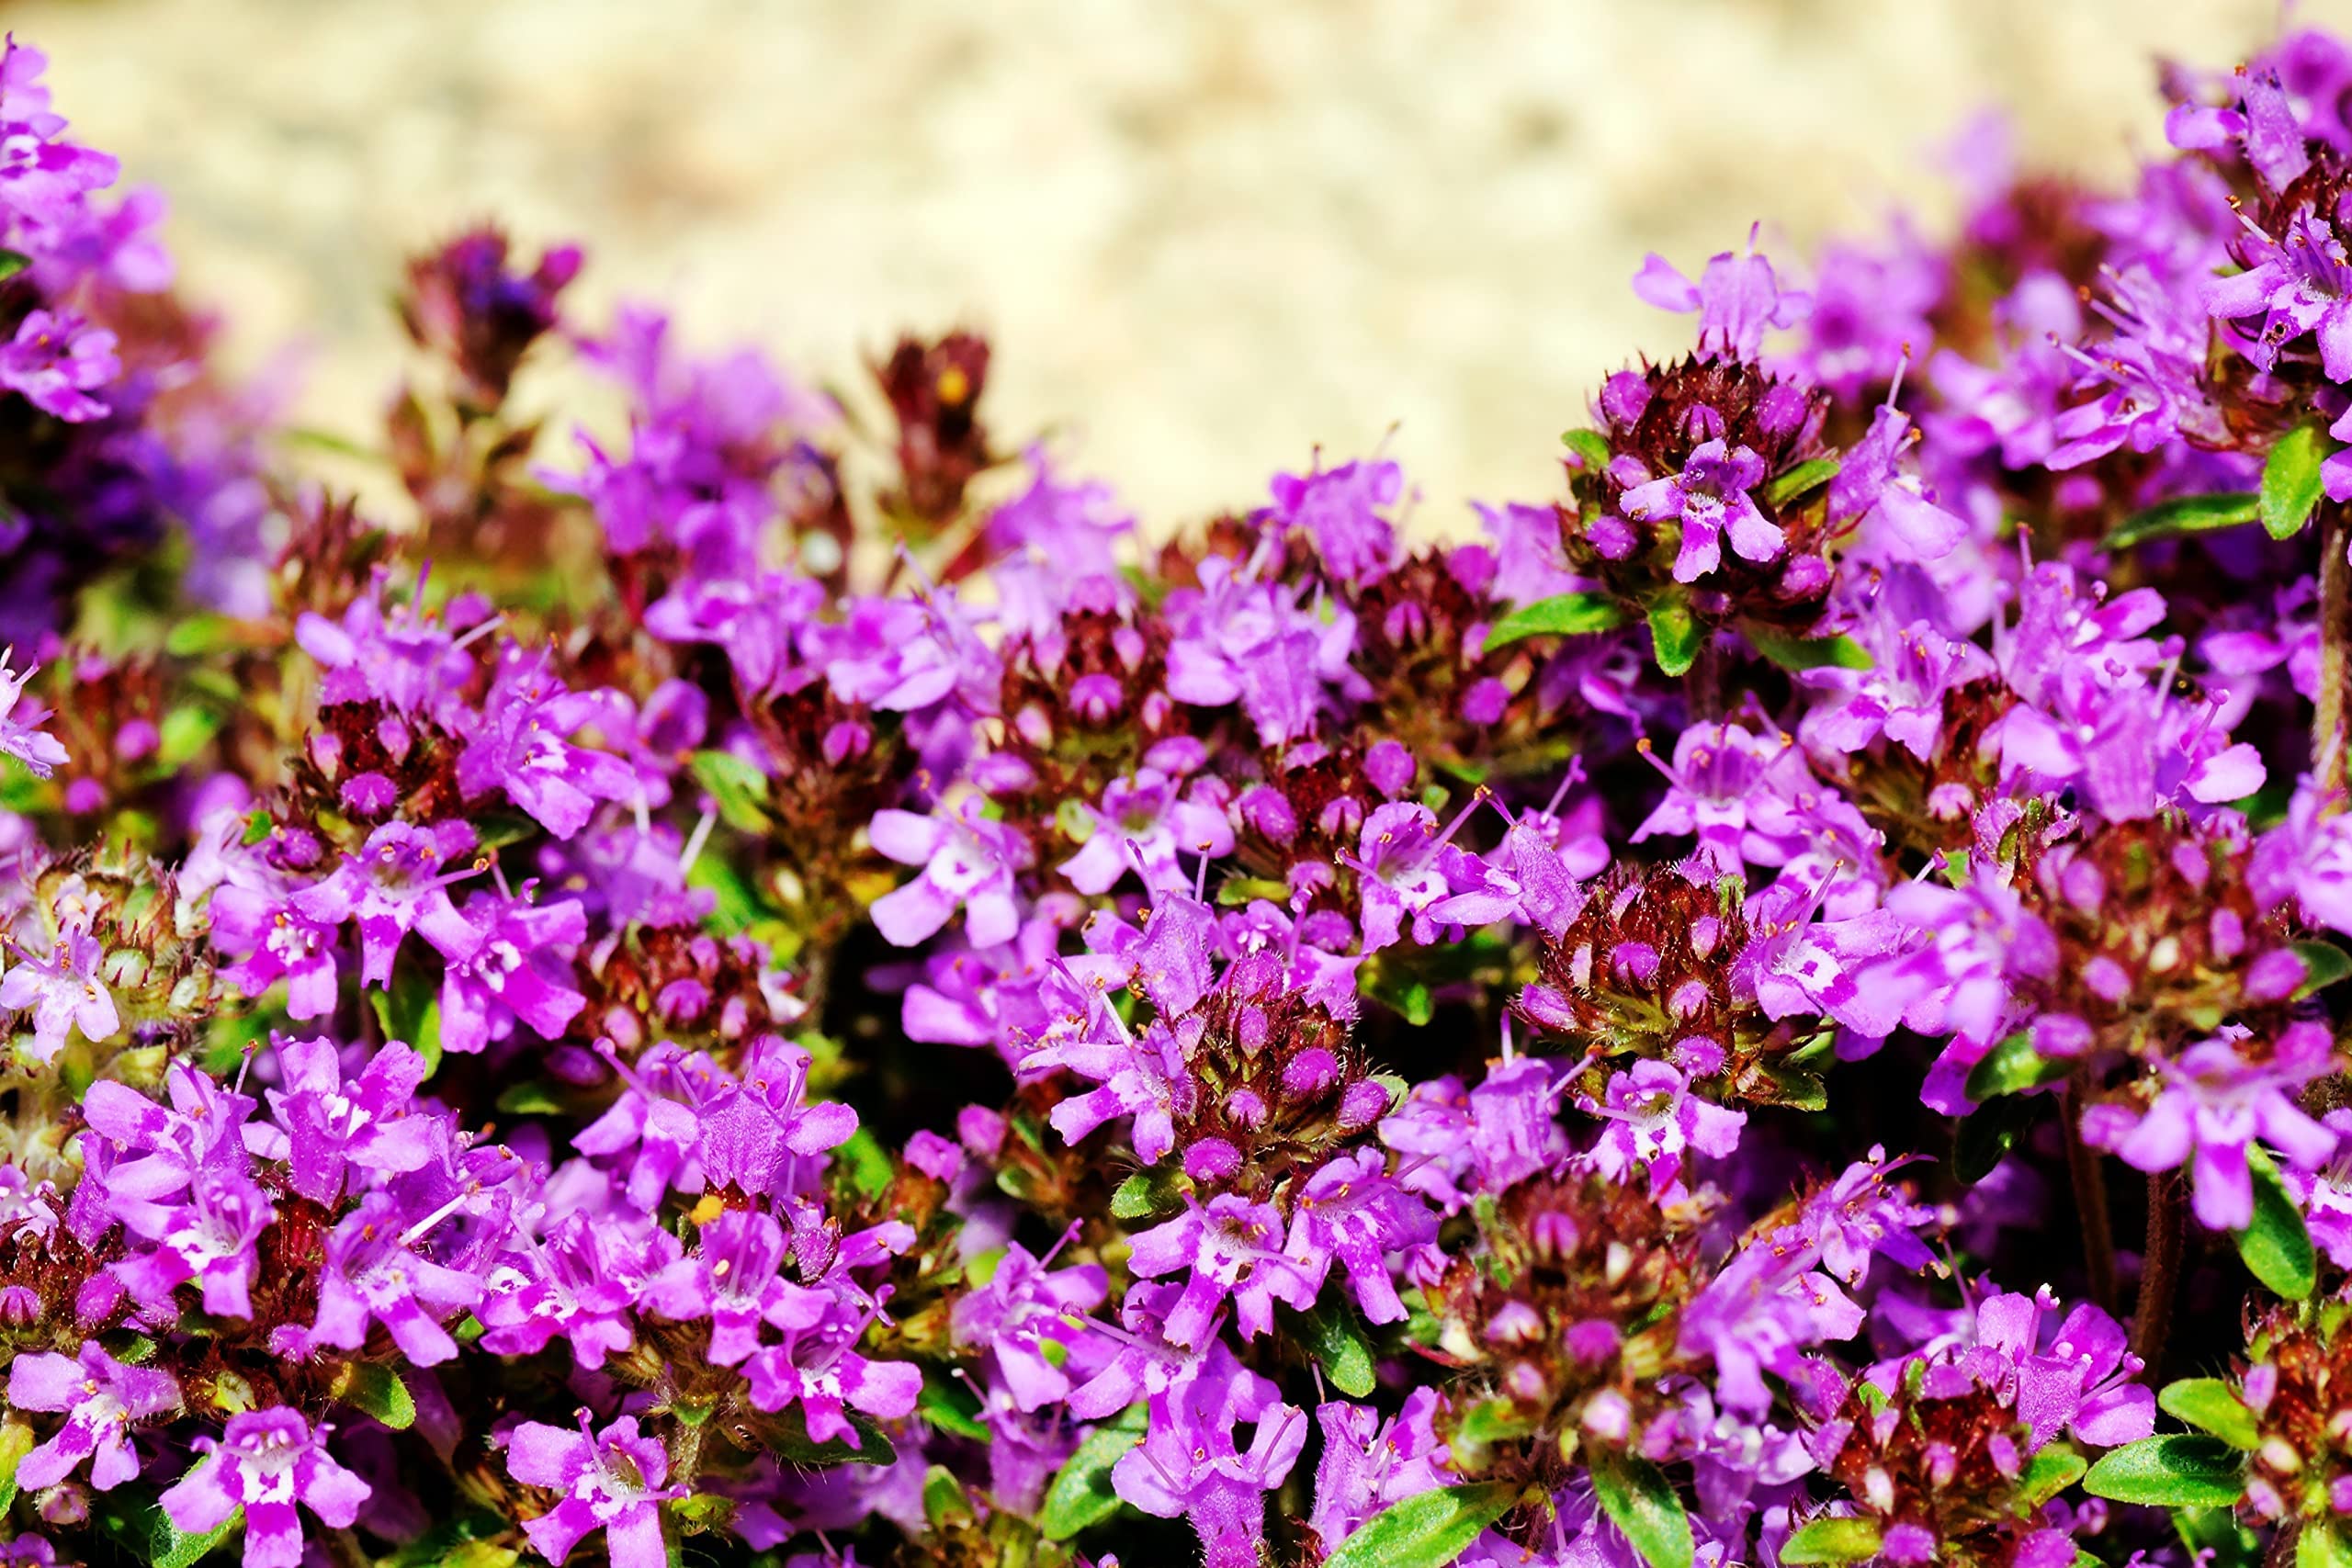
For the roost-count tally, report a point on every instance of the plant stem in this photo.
(2083, 1166)
(2328, 728)
(2159, 1268)
(1702, 686)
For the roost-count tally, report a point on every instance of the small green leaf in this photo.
(2290, 486)
(951, 1408)
(1399, 991)
(2184, 514)
(1564, 614)
(2320, 1545)
(787, 1438)
(171, 1547)
(1590, 446)
(376, 1389)
(2011, 1067)
(2053, 1468)
(944, 1499)
(1081, 1494)
(16, 1441)
(1637, 1495)
(1674, 637)
(738, 788)
(2276, 1246)
(2323, 965)
(1149, 1193)
(1831, 1540)
(258, 827)
(1839, 652)
(2208, 1403)
(1332, 1336)
(410, 1011)
(1790, 483)
(13, 262)
(2177, 1470)
(2217, 1531)
(186, 731)
(1985, 1135)
(529, 1097)
(1427, 1531)
(868, 1165)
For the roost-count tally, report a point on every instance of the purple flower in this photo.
(1354, 1211)
(1738, 298)
(518, 968)
(1143, 823)
(2082, 1382)
(524, 749)
(1744, 797)
(1339, 509)
(279, 942)
(2297, 282)
(374, 1273)
(763, 1134)
(1711, 498)
(818, 1366)
(396, 883)
(1900, 695)
(1368, 1462)
(2211, 1104)
(732, 1280)
(1190, 1464)
(1488, 1140)
(63, 992)
(1653, 1121)
(102, 1398)
(403, 658)
(56, 360)
(611, 1481)
(21, 735)
(1232, 1248)
(1235, 638)
(967, 860)
(330, 1122)
(266, 1462)
(1021, 1318)
(580, 1283)
(209, 1238)
(1407, 868)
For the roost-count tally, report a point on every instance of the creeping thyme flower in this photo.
(101, 1398)
(609, 1481)
(21, 735)
(264, 1463)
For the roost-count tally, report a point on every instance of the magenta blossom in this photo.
(608, 1481)
(266, 1462)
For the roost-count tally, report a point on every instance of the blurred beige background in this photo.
(1204, 235)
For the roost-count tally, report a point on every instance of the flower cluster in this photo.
(753, 987)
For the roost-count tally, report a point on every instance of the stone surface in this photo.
(1211, 234)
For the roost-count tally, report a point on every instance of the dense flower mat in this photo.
(775, 983)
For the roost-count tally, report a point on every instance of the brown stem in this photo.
(2083, 1165)
(2328, 728)
(2159, 1268)
(2283, 1545)
(1702, 684)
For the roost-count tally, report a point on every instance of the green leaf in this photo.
(1790, 483)
(869, 1167)
(2217, 1531)
(1564, 614)
(1337, 1342)
(788, 1439)
(944, 1499)
(2291, 487)
(2208, 1403)
(2322, 1546)
(1637, 1495)
(16, 1441)
(2323, 965)
(1427, 1531)
(1831, 1540)
(2185, 514)
(376, 1389)
(2276, 1246)
(2011, 1067)
(529, 1097)
(1840, 652)
(739, 789)
(1149, 1193)
(186, 731)
(1590, 445)
(13, 262)
(171, 1547)
(1985, 1135)
(410, 1010)
(1399, 991)
(1674, 637)
(2177, 1470)
(2053, 1468)
(128, 1515)
(1081, 1496)
(952, 1408)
